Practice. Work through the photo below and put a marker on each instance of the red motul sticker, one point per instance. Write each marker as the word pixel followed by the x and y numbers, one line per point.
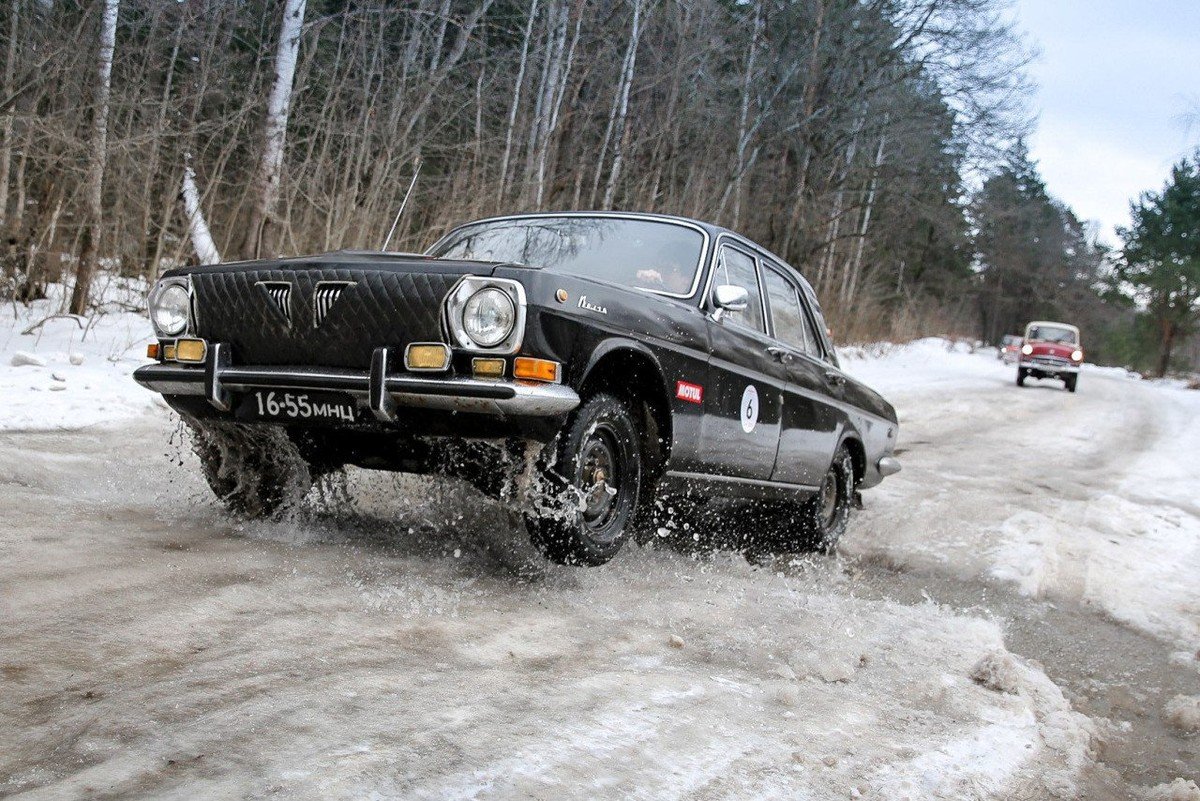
pixel 686 391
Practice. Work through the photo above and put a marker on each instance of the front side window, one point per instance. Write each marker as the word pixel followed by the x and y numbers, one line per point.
pixel 738 269
pixel 655 255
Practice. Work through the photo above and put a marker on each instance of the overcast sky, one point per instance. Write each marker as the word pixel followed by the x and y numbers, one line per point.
pixel 1116 78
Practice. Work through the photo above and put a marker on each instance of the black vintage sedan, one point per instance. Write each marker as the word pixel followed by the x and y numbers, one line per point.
pixel 577 366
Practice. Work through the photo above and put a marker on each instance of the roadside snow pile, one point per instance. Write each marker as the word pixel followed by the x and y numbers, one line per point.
pixel 923 365
pixel 70 372
pixel 934 362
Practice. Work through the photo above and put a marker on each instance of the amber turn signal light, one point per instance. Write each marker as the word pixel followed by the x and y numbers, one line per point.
pixel 535 369
pixel 190 350
pixel 487 368
pixel 152 350
pixel 427 356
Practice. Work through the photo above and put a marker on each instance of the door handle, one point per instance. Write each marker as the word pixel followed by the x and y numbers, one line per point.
pixel 781 354
pixel 835 378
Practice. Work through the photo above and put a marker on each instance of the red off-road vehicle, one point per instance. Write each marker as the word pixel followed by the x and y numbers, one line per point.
pixel 1051 350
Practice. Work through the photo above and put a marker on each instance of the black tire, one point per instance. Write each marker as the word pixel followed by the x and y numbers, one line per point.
pixel 1070 382
pixel 1021 376
pixel 256 472
pixel 818 523
pixel 583 516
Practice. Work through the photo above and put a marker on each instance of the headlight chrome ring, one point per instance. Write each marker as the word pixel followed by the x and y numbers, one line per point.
pixel 170 307
pixel 485 315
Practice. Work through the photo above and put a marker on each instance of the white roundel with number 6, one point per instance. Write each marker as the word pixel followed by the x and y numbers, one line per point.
pixel 749 412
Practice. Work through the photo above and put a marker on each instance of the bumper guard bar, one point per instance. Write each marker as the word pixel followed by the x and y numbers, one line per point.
pixel 383 392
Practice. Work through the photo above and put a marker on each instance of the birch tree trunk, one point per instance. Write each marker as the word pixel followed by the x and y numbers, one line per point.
pixel 266 181
pixel 202 241
pixel 854 272
pixel 744 115
pixel 516 103
pixel 558 92
pixel 614 175
pixel 98 158
pixel 6 145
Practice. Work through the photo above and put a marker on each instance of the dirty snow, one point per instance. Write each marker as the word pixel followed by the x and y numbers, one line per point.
pixel 1183 712
pixel 410 645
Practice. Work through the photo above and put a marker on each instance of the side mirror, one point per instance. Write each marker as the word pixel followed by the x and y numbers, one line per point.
pixel 728 297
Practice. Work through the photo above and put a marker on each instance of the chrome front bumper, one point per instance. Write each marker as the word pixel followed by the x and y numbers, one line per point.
pixel 382 391
pixel 1050 367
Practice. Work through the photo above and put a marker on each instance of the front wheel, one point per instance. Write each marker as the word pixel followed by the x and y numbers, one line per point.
pixel 1021 376
pixel 590 490
pixel 819 522
pixel 256 473
pixel 1070 381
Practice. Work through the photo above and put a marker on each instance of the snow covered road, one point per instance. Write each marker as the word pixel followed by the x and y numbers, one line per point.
pixel 407 644
pixel 1092 497
pixel 153 647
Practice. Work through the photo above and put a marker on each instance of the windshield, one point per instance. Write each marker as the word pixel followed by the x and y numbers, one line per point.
pixel 1051 333
pixel 647 254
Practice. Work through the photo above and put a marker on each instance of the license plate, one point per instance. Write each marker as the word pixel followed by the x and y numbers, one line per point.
pixel 317 407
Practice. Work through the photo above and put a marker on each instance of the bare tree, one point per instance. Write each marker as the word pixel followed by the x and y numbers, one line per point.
pixel 621 108
pixel 202 241
pixel 97 159
pixel 266 181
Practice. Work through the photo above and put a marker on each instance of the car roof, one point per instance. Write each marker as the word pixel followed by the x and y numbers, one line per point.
pixel 1051 322
pixel 711 229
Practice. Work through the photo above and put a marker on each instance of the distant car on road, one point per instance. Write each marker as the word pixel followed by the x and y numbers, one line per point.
pixel 1010 348
pixel 1051 350
pixel 575 365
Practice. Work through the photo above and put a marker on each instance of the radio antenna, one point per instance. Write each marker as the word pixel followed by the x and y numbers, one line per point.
pixel 403 203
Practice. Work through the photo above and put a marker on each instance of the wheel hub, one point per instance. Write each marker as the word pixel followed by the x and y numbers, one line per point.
pixel 598 479
pixel 829 498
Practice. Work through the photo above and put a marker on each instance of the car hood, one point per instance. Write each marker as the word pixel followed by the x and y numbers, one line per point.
pixel 352 260
pixel 1052 349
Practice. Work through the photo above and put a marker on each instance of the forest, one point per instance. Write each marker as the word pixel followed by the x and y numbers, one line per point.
pixel 877 145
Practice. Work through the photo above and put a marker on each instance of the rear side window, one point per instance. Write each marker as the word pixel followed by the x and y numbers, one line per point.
pixel 787 316
pixel 738 269
pixel 793 325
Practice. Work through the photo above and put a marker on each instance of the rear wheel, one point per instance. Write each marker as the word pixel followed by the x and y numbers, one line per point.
pixel 590 491
pixel 255 472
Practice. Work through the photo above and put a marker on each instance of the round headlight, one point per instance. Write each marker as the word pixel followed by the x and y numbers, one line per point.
pixel 169 309
pixel 1027 350
pixel 1077 356
pixel 488 317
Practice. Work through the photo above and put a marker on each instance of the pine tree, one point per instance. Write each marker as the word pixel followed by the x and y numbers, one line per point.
pixel 1162 255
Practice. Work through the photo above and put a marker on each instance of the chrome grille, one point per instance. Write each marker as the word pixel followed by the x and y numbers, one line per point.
pixel 280 293
pixel 324 296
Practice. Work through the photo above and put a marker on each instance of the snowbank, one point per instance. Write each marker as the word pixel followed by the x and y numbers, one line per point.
pixel 72 372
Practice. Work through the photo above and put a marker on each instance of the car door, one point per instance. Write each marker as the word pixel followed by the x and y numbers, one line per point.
pixel 744 394
pixel 810 421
